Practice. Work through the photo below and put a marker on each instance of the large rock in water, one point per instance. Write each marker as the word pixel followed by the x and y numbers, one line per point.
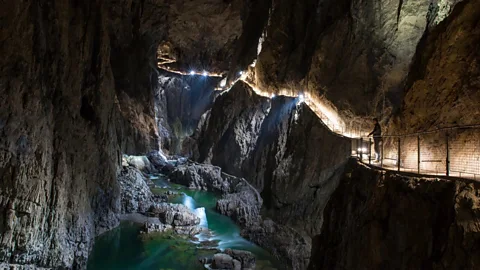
pixel 202 177
pixel 175 214
pixel 176 217
pixel 136 195
pixel 233 259
pixel 222 261
pixel 246 258
pixel 240 200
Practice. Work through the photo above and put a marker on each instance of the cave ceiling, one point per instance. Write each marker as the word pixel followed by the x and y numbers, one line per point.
pixel 353 54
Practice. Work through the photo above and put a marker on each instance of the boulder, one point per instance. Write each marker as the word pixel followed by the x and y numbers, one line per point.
pixel 176 217
pixel 140 162
pixel 174 214
pixel 245 258
pixel 150 227
pixel 222 261
pixel 240 200
pixel 158 160
pixel 237 265
pixel 233 259
pixel 135 193
pixel 243 207
pixel 201 176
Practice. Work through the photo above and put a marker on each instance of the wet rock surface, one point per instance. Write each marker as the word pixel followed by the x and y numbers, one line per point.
pixel 233 259
pixel 179 104
pixel 294 178
pixel 382 220
pixel 239 200
pixel 135 193
pixel 174 214
pixel 444 81
pixel 137 197
pixel 65 119
pixel 285 243
pixel 77 84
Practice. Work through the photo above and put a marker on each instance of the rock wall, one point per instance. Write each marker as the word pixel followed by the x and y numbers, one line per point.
pixel 180 102
pixel 444 81
pixel 286 153
pixel 66 115
pixel 382 220
pixel 357 53
pixel 279 146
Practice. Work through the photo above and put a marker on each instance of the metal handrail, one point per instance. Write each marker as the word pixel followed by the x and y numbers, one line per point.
pixel 459 155
pixel 427 132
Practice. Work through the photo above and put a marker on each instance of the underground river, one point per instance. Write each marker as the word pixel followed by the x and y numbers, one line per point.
pixel 126 248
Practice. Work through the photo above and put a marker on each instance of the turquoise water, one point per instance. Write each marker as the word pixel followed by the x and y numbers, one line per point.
pixel 125 248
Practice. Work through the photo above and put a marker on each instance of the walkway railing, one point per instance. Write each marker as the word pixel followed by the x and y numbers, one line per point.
pixel 450 151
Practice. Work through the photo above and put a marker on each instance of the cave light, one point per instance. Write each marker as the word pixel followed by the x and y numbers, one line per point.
pixel 362 150
pixel 301 98
pixel 223 82
pixel 323 110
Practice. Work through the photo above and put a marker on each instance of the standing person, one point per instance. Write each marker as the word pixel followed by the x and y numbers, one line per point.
pixel 377 138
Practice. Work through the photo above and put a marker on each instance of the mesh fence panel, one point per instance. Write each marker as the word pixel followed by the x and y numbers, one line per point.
pixel 433 153
pixel 464 150
pixel 409 154
pixel 456 150
pixel 390 153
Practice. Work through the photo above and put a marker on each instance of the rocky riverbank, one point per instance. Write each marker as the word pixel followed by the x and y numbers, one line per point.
pixel 243 203
pixel 137 197
pixel 239 201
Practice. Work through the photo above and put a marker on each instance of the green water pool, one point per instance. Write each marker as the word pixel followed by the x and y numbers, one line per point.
pixel 125 248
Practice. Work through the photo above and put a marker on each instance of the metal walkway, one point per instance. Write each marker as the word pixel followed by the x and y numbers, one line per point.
pixel 451 151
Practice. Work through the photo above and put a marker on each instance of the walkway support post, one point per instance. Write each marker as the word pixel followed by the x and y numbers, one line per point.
pixel 361 149
pixel 447 169
pixel 369 150
pixel 418 154
pixel 398 159
pixel 381 157
pixel 358 147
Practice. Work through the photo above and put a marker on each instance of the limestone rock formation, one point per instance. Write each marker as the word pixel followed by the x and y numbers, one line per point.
pixel 222 261
pixel 382 220
pixel 77 82
pixel 135 193
pixel 158 160
pixel 65 118
pixel 295 179
pixel 179 104
pixel 280 160
pixel 246 258
pixel 141 163
pixel 234 120
pixel 285 243
pixel 444 80
pixel 176 217
pixel 239 200
pixel 201 34
pixel 233 259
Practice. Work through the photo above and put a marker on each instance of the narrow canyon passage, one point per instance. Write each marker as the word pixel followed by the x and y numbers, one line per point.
pixel 232 134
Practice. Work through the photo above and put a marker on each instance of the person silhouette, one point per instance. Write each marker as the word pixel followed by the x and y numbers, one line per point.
pixel 377 138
